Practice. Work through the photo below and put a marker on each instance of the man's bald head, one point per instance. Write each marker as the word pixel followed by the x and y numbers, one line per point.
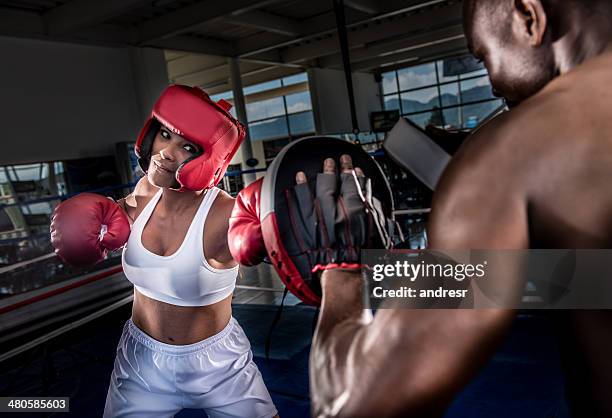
pixel 526 43
pixel 490 7
pixel 496 12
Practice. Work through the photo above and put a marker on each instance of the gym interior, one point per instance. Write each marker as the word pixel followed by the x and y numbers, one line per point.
pixel 79 78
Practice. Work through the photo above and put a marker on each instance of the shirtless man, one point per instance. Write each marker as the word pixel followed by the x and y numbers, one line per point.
pixel 182 348
pixel 535 177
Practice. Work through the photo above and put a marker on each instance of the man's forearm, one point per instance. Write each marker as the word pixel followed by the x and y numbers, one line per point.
pixel 404 362
pixel 342 299
pixel 339 322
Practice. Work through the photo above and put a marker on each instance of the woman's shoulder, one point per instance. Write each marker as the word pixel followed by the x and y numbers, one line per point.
pixel 223 204
pixel 135 202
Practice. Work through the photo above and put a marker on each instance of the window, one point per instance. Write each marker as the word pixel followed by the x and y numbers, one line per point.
pixel 232 183
pixel 420 100
pixel 298 102
pixel 265 109
pixel 274 115
pixel 389 82
pixel 269 128
pixel 426 95
pixel 280 116
pixel 414 77
pixel 256 88
pixel 28 194
pixel 226 95
pixel 295 79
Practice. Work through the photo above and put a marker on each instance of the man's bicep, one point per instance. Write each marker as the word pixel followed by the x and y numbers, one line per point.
pixel 436 352
pixel 427 355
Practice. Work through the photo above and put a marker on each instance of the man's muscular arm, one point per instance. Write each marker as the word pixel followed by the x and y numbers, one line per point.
pixel 412 362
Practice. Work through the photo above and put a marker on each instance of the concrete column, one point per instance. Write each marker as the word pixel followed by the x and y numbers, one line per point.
pixel 246 148
pixel 150 75
pixel 51 179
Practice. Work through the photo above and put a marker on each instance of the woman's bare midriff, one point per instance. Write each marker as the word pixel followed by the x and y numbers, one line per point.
pixel 180 325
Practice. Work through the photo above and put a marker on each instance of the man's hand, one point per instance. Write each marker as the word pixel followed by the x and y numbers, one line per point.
pixel 339 218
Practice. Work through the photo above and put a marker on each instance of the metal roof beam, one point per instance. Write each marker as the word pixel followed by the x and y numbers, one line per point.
pixel 187 18
pixel 414 23
pixel 267 22
pixel 250 78
pixel 366 6
pixel 325 24
pixel 78 14
pixel 419 53
pixel 391 46
pixel 195 44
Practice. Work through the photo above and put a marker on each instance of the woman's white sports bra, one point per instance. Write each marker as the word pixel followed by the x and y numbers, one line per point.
pixel 184 278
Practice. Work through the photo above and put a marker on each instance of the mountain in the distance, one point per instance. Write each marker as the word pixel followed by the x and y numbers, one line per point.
pixel 477 110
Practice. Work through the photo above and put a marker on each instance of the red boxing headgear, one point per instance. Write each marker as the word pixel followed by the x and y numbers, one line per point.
pixel 190 113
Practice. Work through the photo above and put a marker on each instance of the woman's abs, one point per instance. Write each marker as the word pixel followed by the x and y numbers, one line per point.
pixel 180 325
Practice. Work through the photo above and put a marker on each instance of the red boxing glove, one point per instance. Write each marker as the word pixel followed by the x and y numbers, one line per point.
pixel 85 227
pixel 244 234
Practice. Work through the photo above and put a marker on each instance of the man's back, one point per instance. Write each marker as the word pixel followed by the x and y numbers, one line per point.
pixel 569 125
pixel 552 155
pixel 575 211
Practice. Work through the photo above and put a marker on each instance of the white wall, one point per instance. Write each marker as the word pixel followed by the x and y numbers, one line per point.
pixel 61 101
pixel 330 102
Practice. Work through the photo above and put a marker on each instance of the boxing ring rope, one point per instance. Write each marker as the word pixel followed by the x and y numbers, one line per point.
pixel 90 317
pixel 234 173
pixel 25 263
pixel 95 276
pixel 411 211
pixel 61 330
pixel 400 212
pixel 109 272
pixel 54 292
pixel 101 190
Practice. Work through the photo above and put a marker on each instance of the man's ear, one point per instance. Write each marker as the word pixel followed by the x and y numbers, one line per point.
pixel 529 21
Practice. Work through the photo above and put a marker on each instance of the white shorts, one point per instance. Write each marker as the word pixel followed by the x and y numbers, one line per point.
pixel 218 375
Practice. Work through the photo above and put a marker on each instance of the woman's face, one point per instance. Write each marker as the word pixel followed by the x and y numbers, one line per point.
pixel 168 153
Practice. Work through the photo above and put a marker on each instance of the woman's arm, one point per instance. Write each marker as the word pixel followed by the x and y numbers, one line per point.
pixel 216 227
pixel 142 192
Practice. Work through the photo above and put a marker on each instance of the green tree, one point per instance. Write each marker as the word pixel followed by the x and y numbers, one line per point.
pixel 436 118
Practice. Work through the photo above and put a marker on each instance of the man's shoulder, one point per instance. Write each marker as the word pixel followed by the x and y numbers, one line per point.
pixel 485 145
pixel 513 133
pixel 493 156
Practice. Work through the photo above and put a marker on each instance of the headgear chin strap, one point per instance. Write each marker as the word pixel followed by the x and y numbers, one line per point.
pixel 190 113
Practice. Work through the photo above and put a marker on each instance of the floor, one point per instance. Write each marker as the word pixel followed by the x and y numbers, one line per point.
pixel 523 379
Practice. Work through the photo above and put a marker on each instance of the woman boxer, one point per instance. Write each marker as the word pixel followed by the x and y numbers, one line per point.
pixel 182 348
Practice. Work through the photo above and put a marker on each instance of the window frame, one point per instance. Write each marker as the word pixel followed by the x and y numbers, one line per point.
pixel 290 135
pixel 458 79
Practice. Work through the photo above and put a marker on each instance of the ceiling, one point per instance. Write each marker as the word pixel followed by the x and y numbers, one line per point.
pixel 271 38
